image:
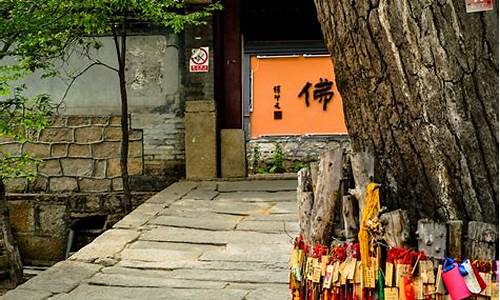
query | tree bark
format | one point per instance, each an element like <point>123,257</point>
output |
<point>126,201</point>
<point>419,83</point>
<point>11,249</point>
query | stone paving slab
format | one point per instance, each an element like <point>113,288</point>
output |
<point>257,185</point>
<point>193,240</point>
<point>211,222</point>
<point>269,226</point>
<point>285,196</point>
<point>87,292</point>
<point>106,245</point>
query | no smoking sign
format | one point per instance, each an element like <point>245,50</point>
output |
<point>198,63</point>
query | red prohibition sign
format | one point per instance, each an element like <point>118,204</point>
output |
<point>201,57</point>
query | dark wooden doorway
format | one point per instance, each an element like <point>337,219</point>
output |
<point>228,54</point>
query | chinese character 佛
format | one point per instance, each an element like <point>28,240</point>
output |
<point>322,92</point>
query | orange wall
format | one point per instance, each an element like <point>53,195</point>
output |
<point>292,73</point>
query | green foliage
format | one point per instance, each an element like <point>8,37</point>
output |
<point>277,160</point>
<point>20,117</point>
<point>298,165</point>
<point>256,158</point>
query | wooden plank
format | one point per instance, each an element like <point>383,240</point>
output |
<point>350,217</point>
<point>362,165</point>
<point>305,201</point>
<point>455,238</point>
<point>396,227</point>
<point>482,240</point>
<point>432,238</point>
<point>326,196</point>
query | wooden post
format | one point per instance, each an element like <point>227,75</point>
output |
<point>396,227</point>
<point>305,201</point>
<point>350,217</point>
<point>362,165</point>
<point>455,238</point>
<point>326,196</point>
<point>314,168</point>
<point>432,238</point>
<point>482,239</point>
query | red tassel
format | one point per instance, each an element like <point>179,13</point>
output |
<point>335,294</point>
<point>341,294</point>
<point>349,294</point>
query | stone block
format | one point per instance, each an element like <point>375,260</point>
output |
<point>6,139</point>
<point>115,120</point>
<point>135,149</point>
<point>39,185</point>
<point>59,150</point>
<point>92,203</point>
<point>113,167</point>
<point>41,248</point>
<point>94,185</point>
<point>15,185</point>
<point>53,219</point>
<point>78,121</point>
<point>89,134</point>
<point>77,166</point>
<point>58,121</point>
<point>22,216</point>
<point>10,149</point>
<point>134,166</point>
<point>135,134</point>
<point>100,120</point>
<point>37,150</point>
<point>54,134</point>
<point>99,169</point>
<point>63,184</point>
<point>200,106</point>
<point>79,150</point>
<point>113,133</point>
<point>117,184</point>
<point>200,140</point>
<point>50,167</point>
<point>233,158</point>
<point>106,150</point>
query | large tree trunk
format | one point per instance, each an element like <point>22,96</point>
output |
<point>11,249</point>
<point>419,81</point>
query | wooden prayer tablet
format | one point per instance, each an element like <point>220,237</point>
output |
<point>358,274</point>
<point>325,259</point>
<point>391,293</point>
<point>418,286</point>
<point>388,276</point>
<point>401,270</point>
<point>369,277</point>
<point>350,268</point>
<point>426,270</point>
<point>336,272</point>
<point>327,281</point>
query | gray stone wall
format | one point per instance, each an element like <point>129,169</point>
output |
<point>41,222</point>
<point>296,149</point>
<point>78,154</point>
<point>155,68</point>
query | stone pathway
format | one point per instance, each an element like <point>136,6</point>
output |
<point>194,240</point>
